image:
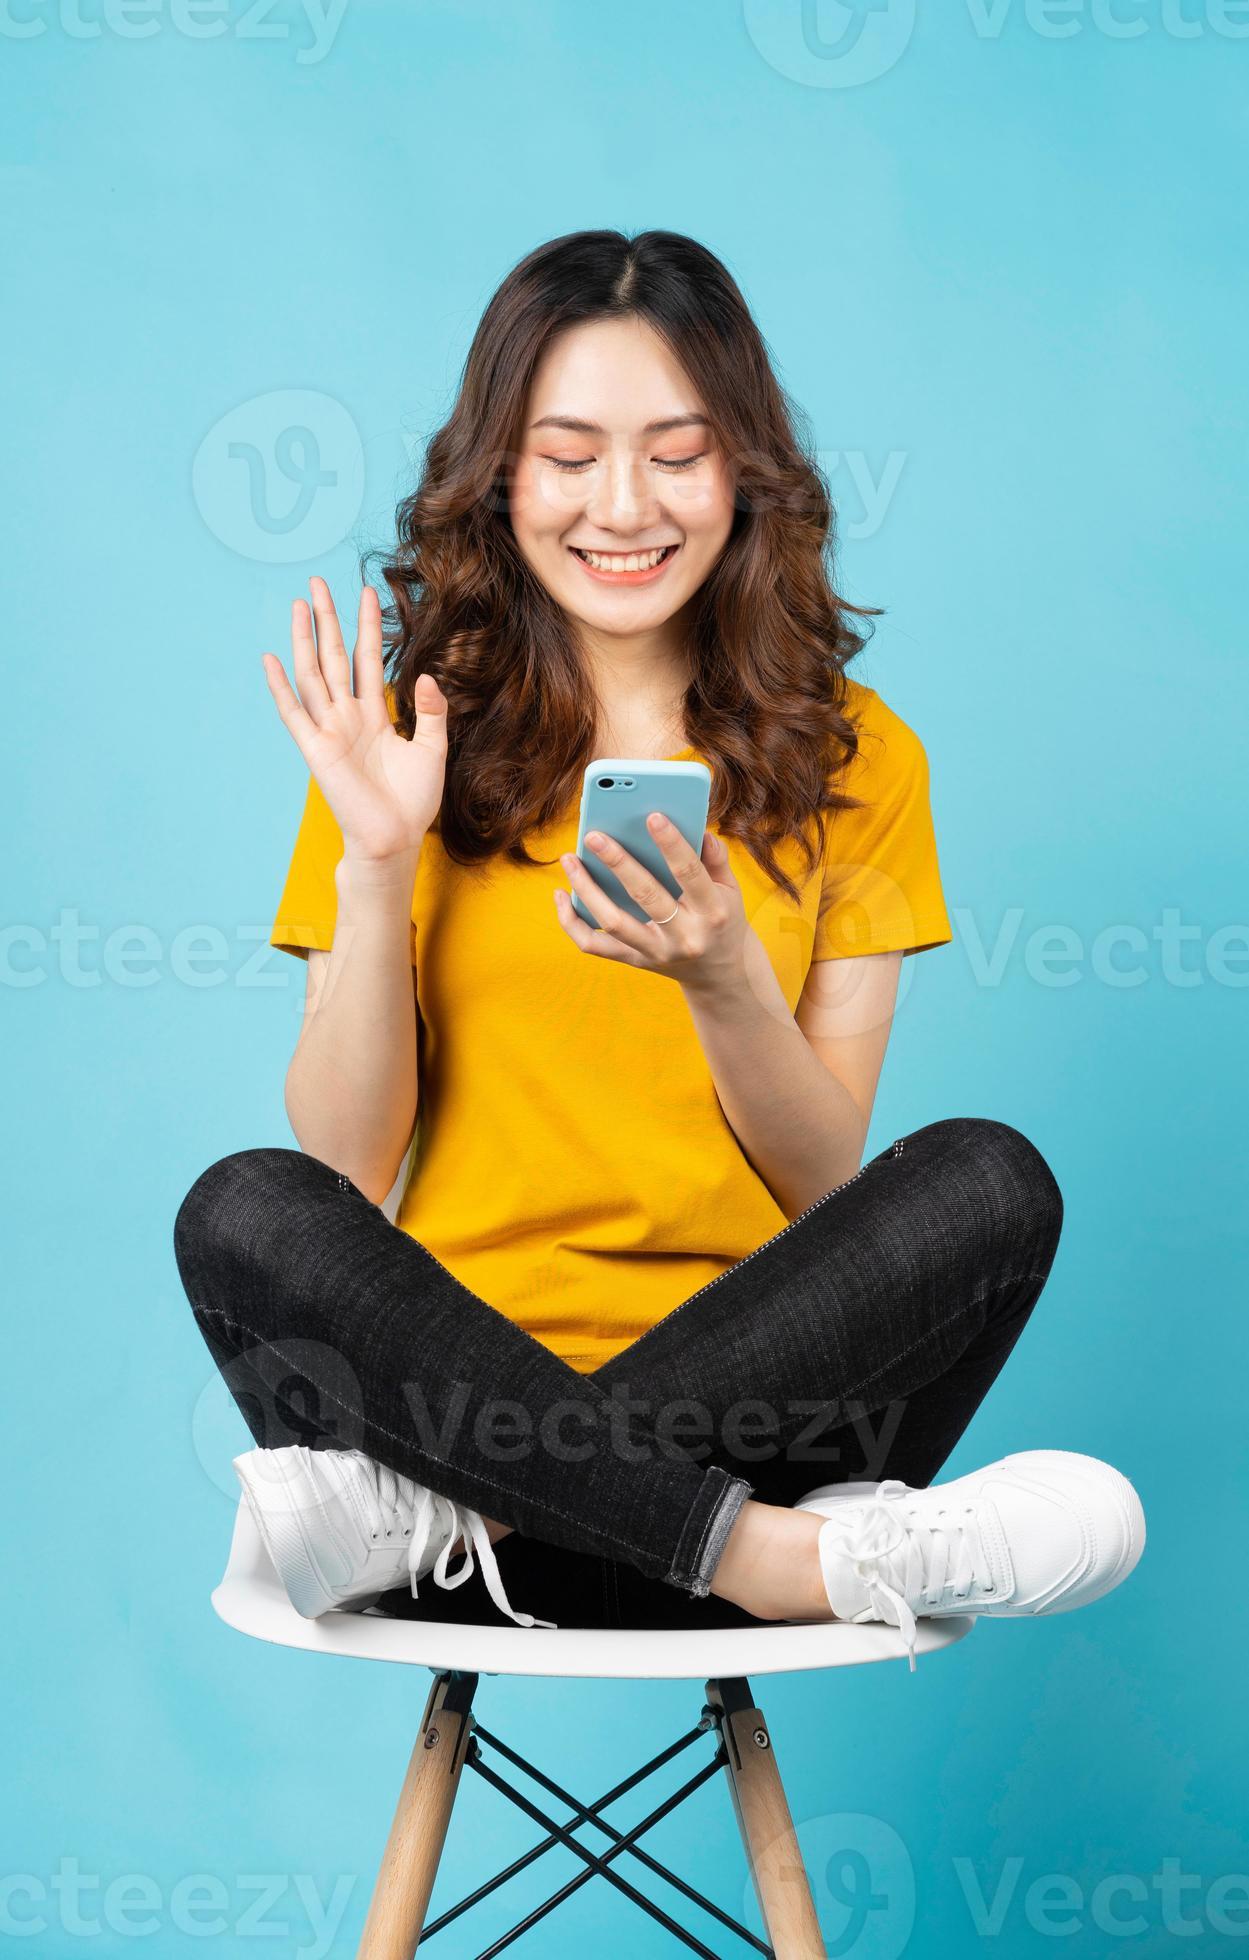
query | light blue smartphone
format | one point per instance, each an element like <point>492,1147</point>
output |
<point>617,796</point>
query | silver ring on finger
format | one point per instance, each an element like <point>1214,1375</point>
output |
<point>672,915</point>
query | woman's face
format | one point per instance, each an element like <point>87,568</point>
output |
<point>620,499</point>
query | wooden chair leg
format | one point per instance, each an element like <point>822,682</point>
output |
<point>776,1868</point>
<point>409,1865</point>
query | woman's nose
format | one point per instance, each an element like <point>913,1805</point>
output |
<point>622,495</point>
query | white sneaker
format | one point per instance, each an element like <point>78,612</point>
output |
<point>341,1528</point>
<point>1039,1531</point>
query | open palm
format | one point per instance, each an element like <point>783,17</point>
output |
<point>384,790</point>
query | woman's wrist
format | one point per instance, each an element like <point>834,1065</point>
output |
<point>381,876</point>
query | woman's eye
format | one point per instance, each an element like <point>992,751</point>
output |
<point>661,462</point>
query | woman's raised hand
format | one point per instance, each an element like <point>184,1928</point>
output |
<point>384,791</point>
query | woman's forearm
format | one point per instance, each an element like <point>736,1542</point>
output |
<point>352,1089</point>
<point>800,1127</point>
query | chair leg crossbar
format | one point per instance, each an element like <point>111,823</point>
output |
<point>450,1737</point>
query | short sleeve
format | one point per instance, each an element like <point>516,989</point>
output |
<point>881,880</point>
<point>308,908</point>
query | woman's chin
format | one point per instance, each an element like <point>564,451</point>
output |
<point>623,621</point>
<point>618,609</point>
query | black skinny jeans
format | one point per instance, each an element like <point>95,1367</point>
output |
<point>856,1343</point>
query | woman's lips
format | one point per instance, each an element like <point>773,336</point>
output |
<point>625,578</point>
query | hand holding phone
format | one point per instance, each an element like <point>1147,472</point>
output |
<point>617,796</point>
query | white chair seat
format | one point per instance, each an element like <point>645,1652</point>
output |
<point>251,1598</point>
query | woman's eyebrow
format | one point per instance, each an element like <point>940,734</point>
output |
<point>582,427</point>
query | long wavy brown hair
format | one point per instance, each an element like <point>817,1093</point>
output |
<point>770,637</point>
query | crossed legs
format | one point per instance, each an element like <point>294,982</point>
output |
<point>856,1343</point>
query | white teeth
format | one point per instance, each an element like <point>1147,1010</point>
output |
<point>633,561</point>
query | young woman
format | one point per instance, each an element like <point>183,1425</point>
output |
<point>646,1332</point>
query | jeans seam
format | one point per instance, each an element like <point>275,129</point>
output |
<point>834,1191</point>
<point>566,1517</point>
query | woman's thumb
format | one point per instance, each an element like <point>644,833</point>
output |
<point>429,705</point>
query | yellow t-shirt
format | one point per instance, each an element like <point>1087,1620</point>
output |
<point>571,1163</point>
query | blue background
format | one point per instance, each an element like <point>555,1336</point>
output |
<point>1005,268</point>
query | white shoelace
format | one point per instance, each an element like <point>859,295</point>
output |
<point>903,1560</point>
<point>430,1513</point>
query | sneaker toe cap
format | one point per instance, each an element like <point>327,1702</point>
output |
<point>1076,1528</point>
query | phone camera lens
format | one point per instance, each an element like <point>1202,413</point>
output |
<point>605,782</point>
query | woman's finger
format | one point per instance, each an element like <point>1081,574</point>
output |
<point>430,707</point>
<point>289,706</point>
<point>308,677</point>
<point>682,860</point>
<point>715,860</point>
<point>331,653</point>
<point>640,883</point>
<point>611,917</point>
<point>369,677</point>
<point>600,943</point>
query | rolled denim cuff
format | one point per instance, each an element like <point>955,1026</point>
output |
<point>707,1529</point>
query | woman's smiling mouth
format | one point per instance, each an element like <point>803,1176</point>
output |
<point>624,567</point>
